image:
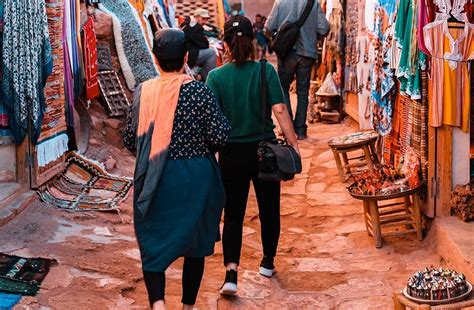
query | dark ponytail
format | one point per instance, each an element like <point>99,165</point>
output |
<point>238,34</point>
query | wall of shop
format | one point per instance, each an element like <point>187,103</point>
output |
<point>461,162</point>
<point>254,7</point>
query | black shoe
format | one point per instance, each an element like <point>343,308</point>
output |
<point>302,136</point>
<point>267,268</point>
<point>230,284</point>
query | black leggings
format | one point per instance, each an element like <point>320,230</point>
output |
<point>193,270</point>
<point>239,166</point>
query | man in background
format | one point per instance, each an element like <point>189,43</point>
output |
<point>200,54</point>
<point>302,58</point>
<point>259,33</point>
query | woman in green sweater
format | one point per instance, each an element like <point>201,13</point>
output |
<point>237,86</point>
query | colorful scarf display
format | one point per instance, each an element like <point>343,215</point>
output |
<point>90,60</point>
<point>135,56</point>
<point>27,62</point>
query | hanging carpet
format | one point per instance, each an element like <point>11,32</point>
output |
<point>90,60</point>
<point>23,276</point>
<point>53,141</point>
<point>134,54</point>
<point>85,185</point>
<point>27,62</point>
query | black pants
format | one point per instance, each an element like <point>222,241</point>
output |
<point>193,270</point>
<point>239,166</point>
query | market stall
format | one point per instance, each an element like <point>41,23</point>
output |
<point>91,54</point>
<point>406,75</point>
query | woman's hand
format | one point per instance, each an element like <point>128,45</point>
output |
<point>281,113</point>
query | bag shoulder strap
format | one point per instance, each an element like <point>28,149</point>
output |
<point>306,12</point>
<point>264,93</point>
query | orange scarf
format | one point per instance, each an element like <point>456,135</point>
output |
<point>158,102</point>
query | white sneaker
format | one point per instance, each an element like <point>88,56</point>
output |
<point>267,268</point>
<point>230,284</point>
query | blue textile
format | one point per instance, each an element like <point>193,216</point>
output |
<point>7,301</point>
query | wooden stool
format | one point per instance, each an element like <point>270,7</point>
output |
<point>378,217</point>
<point>400,302</point>
<point>364,141</point>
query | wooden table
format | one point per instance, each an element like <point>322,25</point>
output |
<point>343,162</point>
<point>400,302</point>
<point>403,213</point>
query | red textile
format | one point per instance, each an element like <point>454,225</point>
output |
<point>90,60</point>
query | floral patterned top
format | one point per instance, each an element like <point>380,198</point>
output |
<point>199,128</point>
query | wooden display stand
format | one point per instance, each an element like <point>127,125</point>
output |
<point>405,214</point>
<point>344,166</point>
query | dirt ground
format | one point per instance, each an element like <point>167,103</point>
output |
<point>326,259</point>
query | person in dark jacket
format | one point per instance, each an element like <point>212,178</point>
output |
<point>200,54</point>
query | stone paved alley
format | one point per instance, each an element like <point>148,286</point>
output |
<point>326,260</point>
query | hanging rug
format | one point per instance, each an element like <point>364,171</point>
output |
<point>19,275</point>
<point>85,185</point>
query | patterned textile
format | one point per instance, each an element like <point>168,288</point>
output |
<point>85,186</point>
<point>134,53</point>
<point>392,149</point>
<point>197,129</point>
<point>68,65</point>
<point>53,142</point>
<point>420,125</point>
<point>406,123</point>
<point>352,19</point>
<point>90,60</point>
<point>23,276</point>
<point>381,81</point>
<point>5,130</point>
<point>27,62</point>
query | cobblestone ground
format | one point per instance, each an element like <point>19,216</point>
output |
<point>326,259</point>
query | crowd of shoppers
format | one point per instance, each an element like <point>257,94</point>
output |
<point>177,125</point>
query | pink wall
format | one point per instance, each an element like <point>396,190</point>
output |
<point>253,7</point>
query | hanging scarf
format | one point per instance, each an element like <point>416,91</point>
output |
<point>27,62</point>
<point>158,102</point>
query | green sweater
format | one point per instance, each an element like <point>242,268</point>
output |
<point>237,89</point>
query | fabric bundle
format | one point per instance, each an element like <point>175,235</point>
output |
<point>134,53</point>
<point>53,141</point>
<point>27,62</point>
<point>90,60</point>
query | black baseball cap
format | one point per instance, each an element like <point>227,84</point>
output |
<point>170,44</point>
<point>238,26</point>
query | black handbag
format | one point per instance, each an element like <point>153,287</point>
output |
<point>285,38</point>
<point>277,160</point>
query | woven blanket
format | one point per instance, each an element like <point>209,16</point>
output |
<point>85,185</point>
<point>25,68</point>
<point>23,276</point>
<point>135,56</point>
